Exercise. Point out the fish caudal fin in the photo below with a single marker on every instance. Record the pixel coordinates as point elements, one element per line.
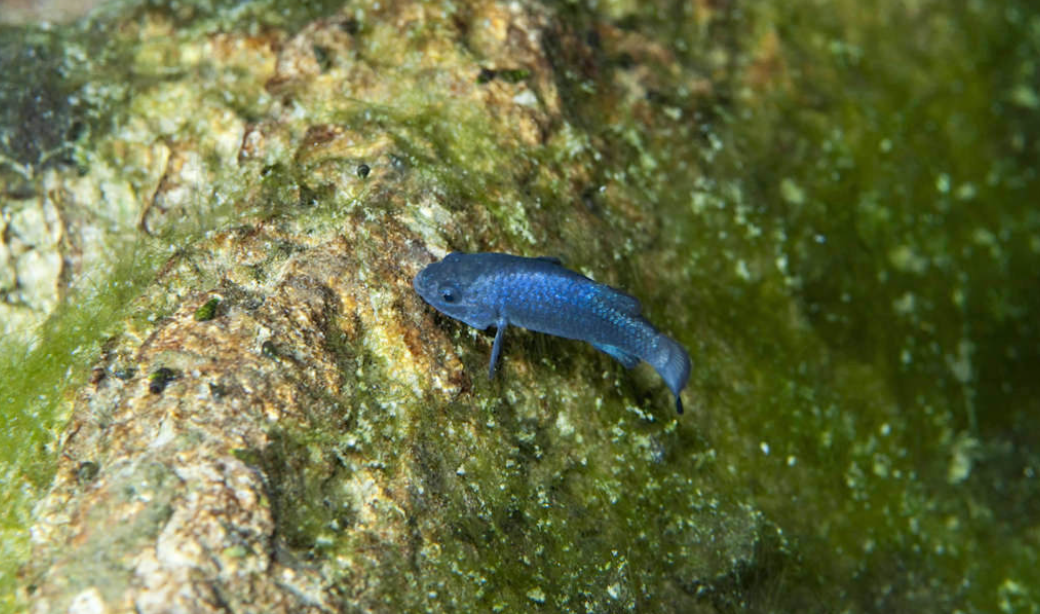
<point>673,365</point>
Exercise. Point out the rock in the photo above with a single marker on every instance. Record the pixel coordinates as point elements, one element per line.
<point>320,442</point>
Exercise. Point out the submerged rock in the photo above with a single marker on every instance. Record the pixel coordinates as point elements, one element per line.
<point>320,442</point>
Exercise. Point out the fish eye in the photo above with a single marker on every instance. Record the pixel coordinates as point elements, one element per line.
<point>449,293</point>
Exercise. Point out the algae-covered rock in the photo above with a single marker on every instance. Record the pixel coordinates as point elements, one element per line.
<point>257,413</point>
<point>319,442</point>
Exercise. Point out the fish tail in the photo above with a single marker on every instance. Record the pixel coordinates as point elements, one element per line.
<point>673,365</point>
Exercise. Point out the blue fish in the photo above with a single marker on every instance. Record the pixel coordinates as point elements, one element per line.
<point>539,294</point>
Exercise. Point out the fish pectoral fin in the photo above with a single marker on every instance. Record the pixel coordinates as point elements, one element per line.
<point>629,360</point>
<point>496,349</point>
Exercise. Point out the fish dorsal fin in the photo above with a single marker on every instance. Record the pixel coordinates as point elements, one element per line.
<point>550,260</point>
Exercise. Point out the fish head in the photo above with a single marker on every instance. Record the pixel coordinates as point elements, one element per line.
<point>455,286</point>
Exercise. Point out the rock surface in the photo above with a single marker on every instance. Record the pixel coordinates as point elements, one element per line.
<point>290,428</point>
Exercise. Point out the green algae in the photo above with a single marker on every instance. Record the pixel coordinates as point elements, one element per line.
<point>898,177</point>
<point>504,513</point>
<point>877,332</point>
<point>208,310</point>
<point>36,377</point>
<point>160,378</point>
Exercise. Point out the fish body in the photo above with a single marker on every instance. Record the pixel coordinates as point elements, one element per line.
<point>540,294</point>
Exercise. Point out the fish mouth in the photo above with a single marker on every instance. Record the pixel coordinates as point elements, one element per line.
<point>422,282</point>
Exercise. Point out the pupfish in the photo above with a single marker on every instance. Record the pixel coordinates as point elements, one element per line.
<point>540,294</point>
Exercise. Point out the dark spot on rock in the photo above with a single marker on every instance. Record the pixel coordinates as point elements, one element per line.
<point>363,170</point>
<point>486,75</point>
<point>208,310</point>
<point>310,197</point>
<point>159,379</point>
<point>592,39</point>
<point>589,198</point>
<point>96,375</point>
<point>86,472</point>
<point>219,391</point>
<point>75,130</point>
<point>398,162</point>
<point>350,26</point>
<point>125,373</point>
<point>268,349</point>
<point>323,57</point>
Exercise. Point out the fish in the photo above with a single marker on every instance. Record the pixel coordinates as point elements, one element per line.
<point>494,289</point>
